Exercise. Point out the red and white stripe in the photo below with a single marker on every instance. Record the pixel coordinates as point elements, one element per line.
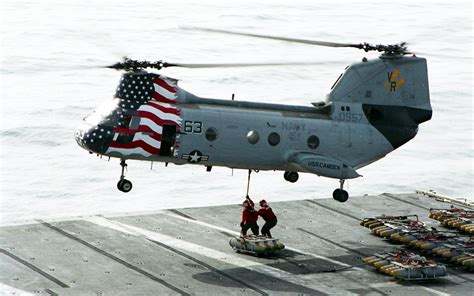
<point>162,110</point>
<point>164,90</point>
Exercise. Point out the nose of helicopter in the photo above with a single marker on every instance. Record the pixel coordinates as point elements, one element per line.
<point>95,139</point>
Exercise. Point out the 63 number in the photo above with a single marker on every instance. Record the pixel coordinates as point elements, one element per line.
<point>193,127</point>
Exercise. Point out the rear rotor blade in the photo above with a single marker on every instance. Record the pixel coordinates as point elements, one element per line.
<point>295,40</point>
<point>390,49</point>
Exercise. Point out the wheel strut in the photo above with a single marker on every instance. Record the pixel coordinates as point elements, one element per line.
<point>123,164</point>
<point>341,186</point>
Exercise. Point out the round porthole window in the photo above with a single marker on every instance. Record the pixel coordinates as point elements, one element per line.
<point>253,137</point>
<point>211,134</point>
<point>313,142</point>
<point>273,139</point>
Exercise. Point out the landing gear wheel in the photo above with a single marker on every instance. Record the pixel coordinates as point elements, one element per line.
<point>119,185</point>
<point>340,195</point>
<point>293,177</point>
<point>124,185</point>
<point>344,196</point>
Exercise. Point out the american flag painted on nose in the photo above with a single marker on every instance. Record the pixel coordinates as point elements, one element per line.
<point>151,99</point>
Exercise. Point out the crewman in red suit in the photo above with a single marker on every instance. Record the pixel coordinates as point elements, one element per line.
<point>249,218</point>
<point>270,219</point>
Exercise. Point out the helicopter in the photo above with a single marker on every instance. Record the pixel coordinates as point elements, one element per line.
<point>374,107</point>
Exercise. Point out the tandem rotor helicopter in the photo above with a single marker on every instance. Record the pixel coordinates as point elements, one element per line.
<point>373,108</point>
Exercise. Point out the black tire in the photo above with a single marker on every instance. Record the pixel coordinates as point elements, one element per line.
<point>125,185</point>
<point>293,177</point>
<point>285,175</point>
<point>344,196</point>
<point>336,194</point>
<point>119,185</point>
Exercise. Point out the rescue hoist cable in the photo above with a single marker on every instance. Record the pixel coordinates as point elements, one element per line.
<point>248,184</point>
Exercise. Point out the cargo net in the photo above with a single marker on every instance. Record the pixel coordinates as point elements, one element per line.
<point>454,247</point>
<point>456,218</point>
<point>406,265</point>
<point>258,245</point>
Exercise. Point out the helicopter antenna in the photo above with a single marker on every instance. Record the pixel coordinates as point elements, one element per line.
<point>392,49</point>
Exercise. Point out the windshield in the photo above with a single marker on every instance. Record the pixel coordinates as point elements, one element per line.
<point>104,110</point>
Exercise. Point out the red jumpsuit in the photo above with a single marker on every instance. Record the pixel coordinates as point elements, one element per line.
<point>270,220</point>
<point>249,219</point>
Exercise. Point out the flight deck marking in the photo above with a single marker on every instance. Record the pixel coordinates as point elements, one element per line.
<point>332,242</point>
<point>116,259</point>
<point>209,253</point>
<point>235,233</point>
<point>34,268</point>
<point>228,233</point>
<point>405,201</point>
<point>181,214</point>
<point>334,210</point>
<point>211,268</point>
<point>14,291</point>
<point>391,284</point>
<point>51,292</point>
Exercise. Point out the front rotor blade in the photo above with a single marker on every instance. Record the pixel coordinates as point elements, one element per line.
<point>229,65</point>
<point>295,40</point>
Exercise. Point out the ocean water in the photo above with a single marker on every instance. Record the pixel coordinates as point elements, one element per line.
<point>51,53</point>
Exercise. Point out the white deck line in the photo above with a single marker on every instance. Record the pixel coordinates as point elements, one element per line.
<point>237,234</point>
<point>7,290</point>
<point>213,254</point>
<point>299,251</point>
<point>391,284</point>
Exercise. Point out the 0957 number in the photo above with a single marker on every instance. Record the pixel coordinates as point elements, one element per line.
<point>348,116</point>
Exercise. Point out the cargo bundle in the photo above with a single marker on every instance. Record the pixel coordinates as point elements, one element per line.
<point>456,218</point>
<point>406,265</point>
<point>257,245</point>
<point>408,230</point>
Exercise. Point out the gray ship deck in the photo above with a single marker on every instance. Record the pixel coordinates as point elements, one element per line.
<point>186,251</point>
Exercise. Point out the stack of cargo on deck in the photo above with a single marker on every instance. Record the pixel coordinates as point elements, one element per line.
<point>256,245</point>
<point>456,218</point>
<point>457,248</point>
<point>406,265</point>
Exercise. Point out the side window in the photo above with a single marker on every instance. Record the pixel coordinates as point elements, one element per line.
<point>125,121</point>
<point>134,122</point>
<point>273,139</point>
<point>313,142</point>
<point>253,137</point>
<point>211,134</point>
<point>124,138</point>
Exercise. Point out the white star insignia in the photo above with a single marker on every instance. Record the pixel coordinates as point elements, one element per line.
<point>194,157</point>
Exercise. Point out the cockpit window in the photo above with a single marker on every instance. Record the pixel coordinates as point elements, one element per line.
<point>337,80</point>
<point>104,110</point>
<point>125,122</point>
